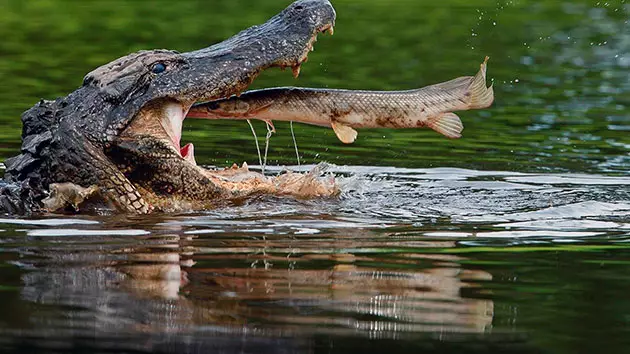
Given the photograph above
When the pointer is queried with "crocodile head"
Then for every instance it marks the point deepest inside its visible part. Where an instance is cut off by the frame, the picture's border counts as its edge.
(118, 137)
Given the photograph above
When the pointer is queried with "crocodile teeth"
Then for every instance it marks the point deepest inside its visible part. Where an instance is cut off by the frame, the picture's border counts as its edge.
(296, 71)
(331, 30)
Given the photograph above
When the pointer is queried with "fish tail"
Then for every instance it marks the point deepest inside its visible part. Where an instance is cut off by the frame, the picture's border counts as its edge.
(464, 93)
(481, 96)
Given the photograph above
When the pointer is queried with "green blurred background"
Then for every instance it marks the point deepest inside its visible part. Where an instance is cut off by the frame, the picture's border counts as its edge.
(560, 71)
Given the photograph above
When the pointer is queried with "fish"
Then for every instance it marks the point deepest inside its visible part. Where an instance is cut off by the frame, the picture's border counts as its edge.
(347, 110)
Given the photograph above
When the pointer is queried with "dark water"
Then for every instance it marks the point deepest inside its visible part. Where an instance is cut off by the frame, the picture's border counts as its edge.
(512, 239)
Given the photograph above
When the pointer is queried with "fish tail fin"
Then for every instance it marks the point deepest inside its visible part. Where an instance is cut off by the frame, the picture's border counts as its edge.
(463, 93)
(481, 96)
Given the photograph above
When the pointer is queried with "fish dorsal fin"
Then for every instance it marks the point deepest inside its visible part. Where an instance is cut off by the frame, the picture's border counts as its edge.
(447, 124)
(346, 134)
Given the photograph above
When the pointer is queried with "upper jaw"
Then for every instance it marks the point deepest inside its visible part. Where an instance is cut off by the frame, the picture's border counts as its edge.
(218, 71)
(229, 67)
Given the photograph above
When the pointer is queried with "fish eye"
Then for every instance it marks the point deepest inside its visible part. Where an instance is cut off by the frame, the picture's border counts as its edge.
(158, 68)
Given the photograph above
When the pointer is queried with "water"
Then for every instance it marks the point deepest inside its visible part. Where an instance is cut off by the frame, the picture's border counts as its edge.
(511, 239)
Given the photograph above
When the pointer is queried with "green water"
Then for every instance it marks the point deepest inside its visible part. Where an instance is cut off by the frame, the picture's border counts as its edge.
(511, 239)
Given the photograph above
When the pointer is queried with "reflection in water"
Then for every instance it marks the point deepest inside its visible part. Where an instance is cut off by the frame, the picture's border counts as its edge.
(170, 284)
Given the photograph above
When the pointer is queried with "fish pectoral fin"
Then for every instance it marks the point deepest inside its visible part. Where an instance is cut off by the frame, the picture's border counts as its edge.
(346, 134)
(447, 124)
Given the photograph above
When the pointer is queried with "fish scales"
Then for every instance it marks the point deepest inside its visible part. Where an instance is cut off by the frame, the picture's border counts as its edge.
(344, 110)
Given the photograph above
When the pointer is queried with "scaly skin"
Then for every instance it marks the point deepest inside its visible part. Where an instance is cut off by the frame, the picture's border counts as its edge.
(119, 133)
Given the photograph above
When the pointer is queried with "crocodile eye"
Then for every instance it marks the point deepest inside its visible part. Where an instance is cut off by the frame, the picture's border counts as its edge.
(158, 68)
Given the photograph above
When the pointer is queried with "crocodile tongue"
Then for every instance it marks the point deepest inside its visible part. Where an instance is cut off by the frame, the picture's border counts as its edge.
(188, 153)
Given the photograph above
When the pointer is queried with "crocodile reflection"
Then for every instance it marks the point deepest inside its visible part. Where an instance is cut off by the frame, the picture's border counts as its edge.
(167, 284)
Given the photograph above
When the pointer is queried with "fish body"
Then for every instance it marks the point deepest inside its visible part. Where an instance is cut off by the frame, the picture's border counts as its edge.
(345, 110)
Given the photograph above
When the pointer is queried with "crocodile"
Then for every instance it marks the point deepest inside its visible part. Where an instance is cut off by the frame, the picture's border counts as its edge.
(114, 143)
